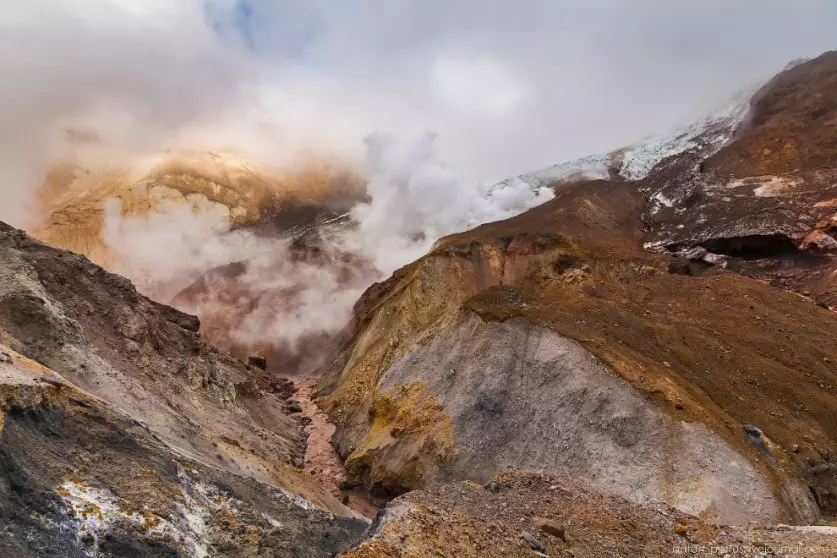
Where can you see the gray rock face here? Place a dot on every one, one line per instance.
(524, 396)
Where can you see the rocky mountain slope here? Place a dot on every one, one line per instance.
(764, 204)
(656, 343)
(124, 433)
(585, 338)
(220, 191)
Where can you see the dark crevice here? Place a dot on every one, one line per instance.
(753, 247)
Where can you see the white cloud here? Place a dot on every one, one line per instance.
(416, 199)
(507, 86)
(479, 85)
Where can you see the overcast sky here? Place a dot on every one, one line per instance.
(508, 86)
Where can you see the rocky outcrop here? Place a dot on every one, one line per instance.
(521, 513)
(112, 402)
(553, 340)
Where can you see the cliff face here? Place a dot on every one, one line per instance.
(122, 430)
(555, 341)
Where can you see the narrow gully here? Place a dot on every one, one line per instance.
(321, 461)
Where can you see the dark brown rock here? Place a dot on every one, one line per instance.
(258, 361)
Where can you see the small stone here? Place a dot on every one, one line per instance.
(752, 431)
(5, 357)
(550, 528)
(495, 486)
(678, 406)
(783, 527)
(534, 543)
(679, 267)
(715, 259)
(345, 500)
(795, 449)
(680, 529)
(53, 379)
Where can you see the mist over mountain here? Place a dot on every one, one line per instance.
(284, 278)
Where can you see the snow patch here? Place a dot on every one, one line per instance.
(636, 162)
(662, 199)
(766, 186)
(592, 167)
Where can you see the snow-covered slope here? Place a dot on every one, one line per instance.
(635, 162)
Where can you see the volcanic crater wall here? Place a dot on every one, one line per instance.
(553, 341)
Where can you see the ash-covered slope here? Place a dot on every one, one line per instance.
(554, 341)
(122, 429)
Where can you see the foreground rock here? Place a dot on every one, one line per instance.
(467, 520)
(122, 431)
(80, 478)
